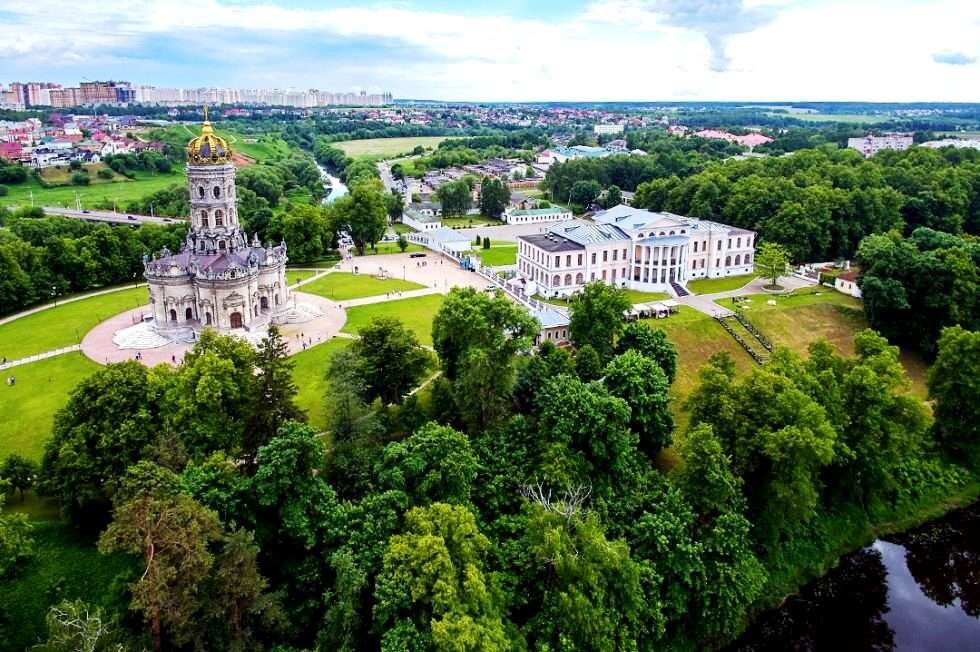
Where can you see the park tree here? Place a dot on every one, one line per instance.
(394, 206)
(534, 370)
(494, 197)
(597, 317)
(584, 193)
(306, 230)
(76, 626)
(643, 385)
(362, 214)
(19, 472)
(954, 386)
(651, 343)
(171, 532)
(390, 360)
(455, 198)
(273, 402)
(402, 243)
(588, 367)
(433, 465)
(349, 416)
(109, 419)
(15, 536)
(613, 197)
(771, 259)
(433, 592)
(471, 319)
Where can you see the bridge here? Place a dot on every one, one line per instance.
(109, 216)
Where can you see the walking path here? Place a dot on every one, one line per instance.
(72, 299)
(40, 356)
(706, 302)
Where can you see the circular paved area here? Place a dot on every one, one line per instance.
(438, 272)
(98, 345)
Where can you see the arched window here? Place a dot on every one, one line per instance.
(216, 192)
(219, 218)
(568, 279)
(221, 245)
(204, 219)
(200, 192)
(173, 315)
(207, 318)
(579, 278)
(189, 314)
(738, 260)
(556, 280)
(748, 259)
(728, 261)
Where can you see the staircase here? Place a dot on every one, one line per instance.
(679, 289)
(750, 327)
(732, 325)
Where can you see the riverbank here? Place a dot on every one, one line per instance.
(333, 185)
(831, 537)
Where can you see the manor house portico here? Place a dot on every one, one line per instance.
(633, 248)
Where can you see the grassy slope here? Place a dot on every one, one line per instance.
(121, 190)
(416, 313)
(309, 373)
(65, 566)
(386, 147)
(65, 324)
(340, 286)
(28, 406)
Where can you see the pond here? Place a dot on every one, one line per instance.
(919, 590)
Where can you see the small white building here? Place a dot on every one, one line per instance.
(419, 221)
(448, 240)
(534, 215)
(870, 145)
(607, 129)
(847, 284)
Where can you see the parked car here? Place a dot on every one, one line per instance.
(130, 217)
(417, 254)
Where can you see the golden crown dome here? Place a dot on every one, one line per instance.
(209, 147)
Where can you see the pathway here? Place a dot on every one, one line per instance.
(79, 297)
(706, 302)
(40, 356)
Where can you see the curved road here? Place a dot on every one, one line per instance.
(109, 216)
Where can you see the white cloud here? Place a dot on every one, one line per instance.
(612, 49)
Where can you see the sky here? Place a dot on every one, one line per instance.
(511, 50)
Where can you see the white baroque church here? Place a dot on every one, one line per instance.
(218, 279)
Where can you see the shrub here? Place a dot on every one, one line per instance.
(80, 179)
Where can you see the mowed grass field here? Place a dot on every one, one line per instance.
(386, 147)
(310, 376)
(416, 313)
(341, 286)
(66, 565)
(712, 285)
(499, 254)
(390, 248)
(65, 324)
(121, 190)
(635, 296)
(28, 406)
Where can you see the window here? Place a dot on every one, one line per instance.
(728, 261)
(695, 246)
(204, 218)
(592, 276)
(615, 254)
(593, 262)
(605, 257)
(719, 245)
(729, 243)
(557, 262)
(556, 281)
(738, 260)
(738, 243)
(219, 218)
(200, 192)
(580, 259)
(748, 259)
(216, 192)
(568, 279)
(624, 254)
(568, 260)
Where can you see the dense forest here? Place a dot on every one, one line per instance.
(525, 504)
(41, 257)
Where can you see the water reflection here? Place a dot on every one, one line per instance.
(916, 591)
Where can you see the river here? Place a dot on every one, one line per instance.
(334, 186)
(915, 591)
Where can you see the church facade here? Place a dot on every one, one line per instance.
(219, 278)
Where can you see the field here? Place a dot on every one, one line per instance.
(121, 191)
(309, 374)
(470, 221)
(65, 324)
(385, 147)
(61, 174)
(66, 565)
(294, 276)
(844, 118)
(416, 313)
(340, 286)
(712, 285)
(29, 405)
(499, 254)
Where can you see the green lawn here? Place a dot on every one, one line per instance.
(390, 248)
(469, 221)
(29, 405)
(499, 255)
(121, 190)
(635, 296)
(294, 276)
(386, 147)
(66, 565)
(398, 227)
(309, 373)
(65, 324)
(416, 313)
(340, 286)
(712, 285)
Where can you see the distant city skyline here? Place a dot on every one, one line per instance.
(512, 50)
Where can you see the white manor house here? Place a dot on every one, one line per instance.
(219, 278)
(632, 248)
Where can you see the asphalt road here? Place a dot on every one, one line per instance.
(109, 216)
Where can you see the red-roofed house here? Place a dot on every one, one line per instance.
(10, 151)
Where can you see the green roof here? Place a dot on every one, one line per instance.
(539, 211)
